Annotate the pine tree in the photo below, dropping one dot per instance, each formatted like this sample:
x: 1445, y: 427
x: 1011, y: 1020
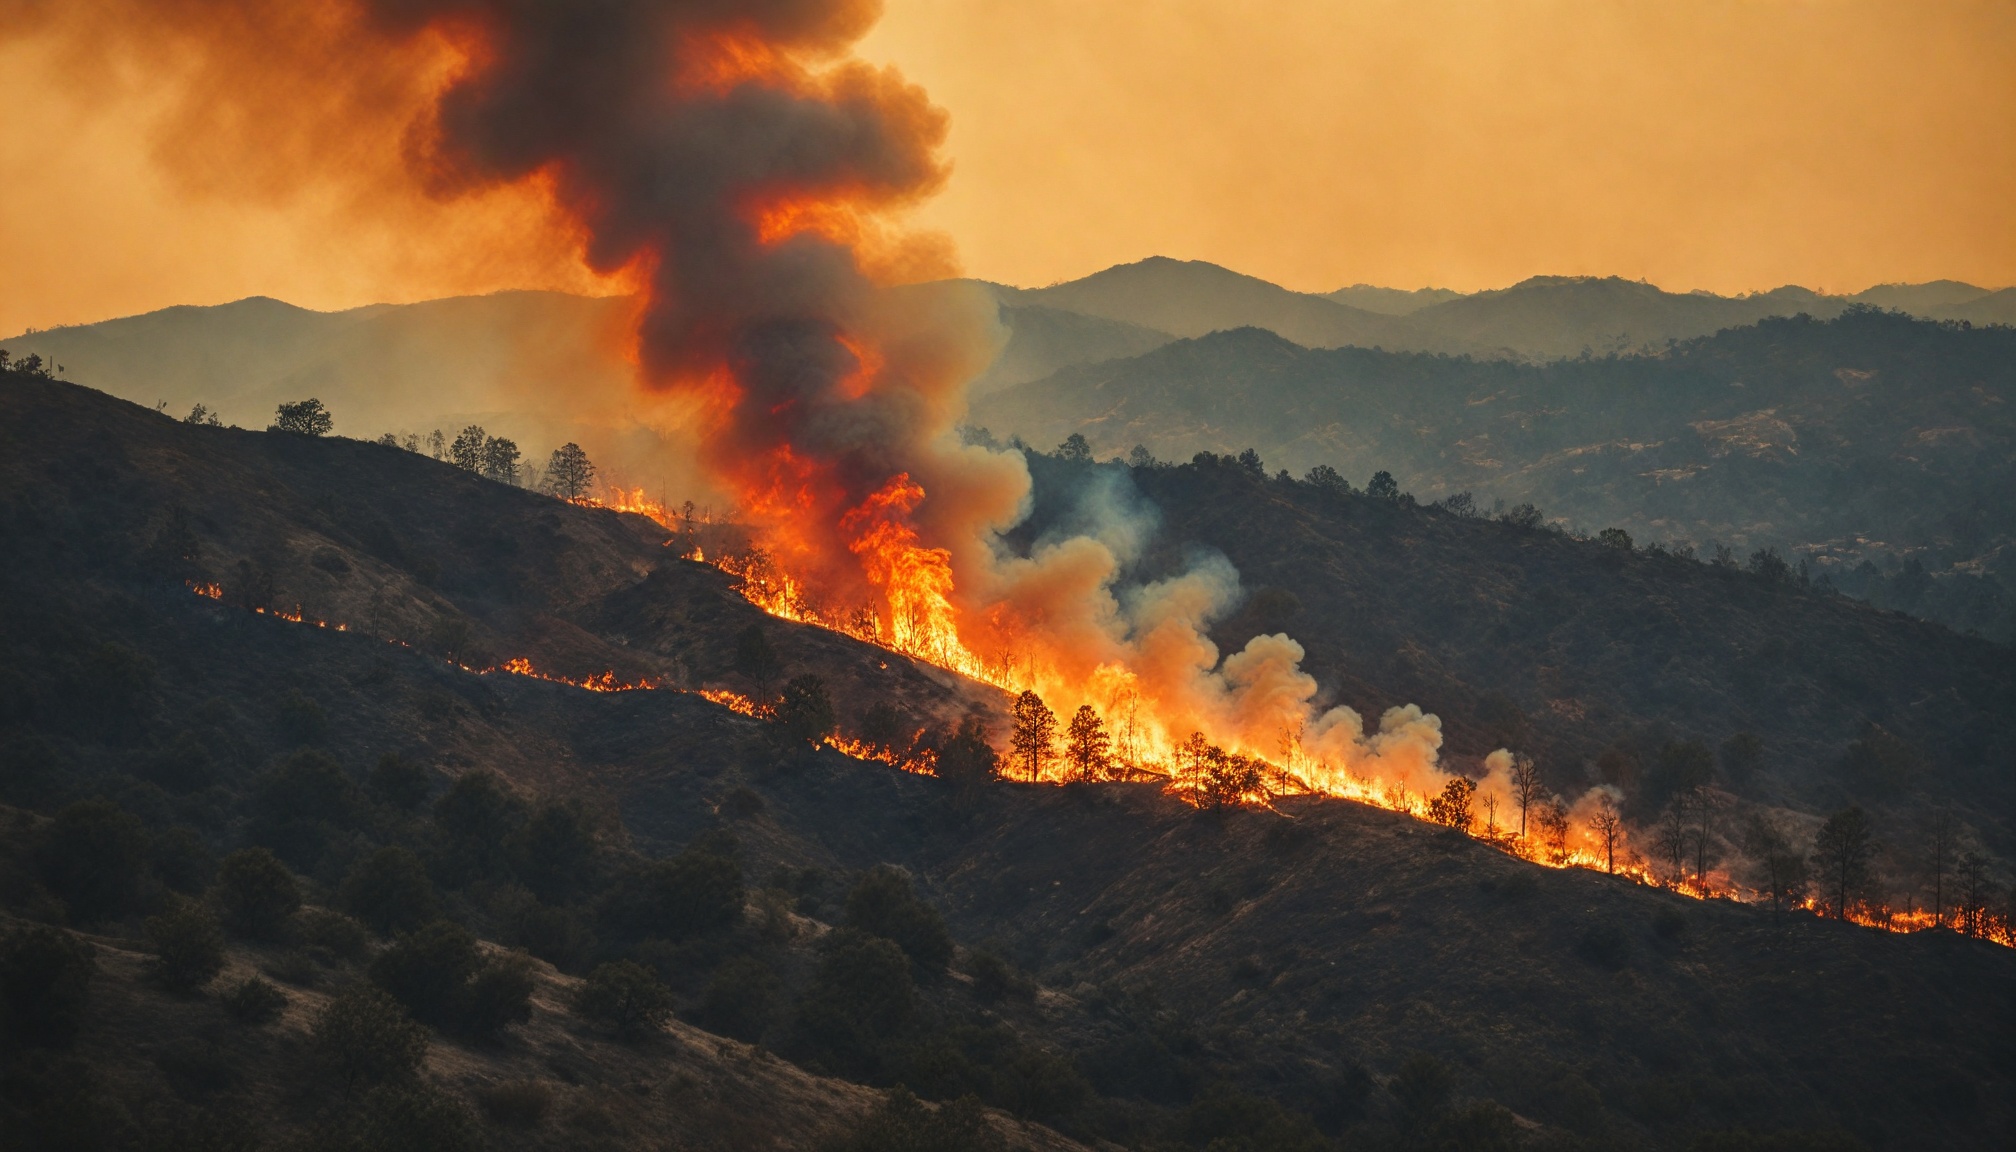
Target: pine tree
x: 1035, y: 734
x: 1086, y: 744
x: 569, y: 473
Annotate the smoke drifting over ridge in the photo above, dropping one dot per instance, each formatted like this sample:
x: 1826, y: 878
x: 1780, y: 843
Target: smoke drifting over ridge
x: 732, y: 163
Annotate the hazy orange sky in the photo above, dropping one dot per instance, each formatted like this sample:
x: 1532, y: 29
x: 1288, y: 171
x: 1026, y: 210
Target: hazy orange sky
x: 1722, y: 144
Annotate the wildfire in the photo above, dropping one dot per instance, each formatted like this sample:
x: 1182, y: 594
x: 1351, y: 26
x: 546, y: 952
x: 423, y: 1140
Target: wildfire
x: 620, y: 499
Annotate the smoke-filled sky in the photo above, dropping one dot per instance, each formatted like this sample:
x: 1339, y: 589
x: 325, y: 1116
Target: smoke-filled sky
x: 1720, y: 144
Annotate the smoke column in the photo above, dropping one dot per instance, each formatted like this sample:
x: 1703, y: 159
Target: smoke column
x: 730, y: 159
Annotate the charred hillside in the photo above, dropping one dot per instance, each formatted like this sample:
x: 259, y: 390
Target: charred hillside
x: 1102, y: 960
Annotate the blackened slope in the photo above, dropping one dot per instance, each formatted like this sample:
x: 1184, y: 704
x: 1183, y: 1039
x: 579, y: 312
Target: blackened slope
x: 1595, y: 646
x: 1295, y: 946
x: 392, y: 545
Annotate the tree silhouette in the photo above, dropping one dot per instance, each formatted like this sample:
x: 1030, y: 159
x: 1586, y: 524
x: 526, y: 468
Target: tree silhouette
x: 967, y: 759
x: 1228, y: 778
x: 1086, y: 744
x: 1525, y: 780
x: 1452, y: 808
x: 1614, y: 538
x: 466, y: 452
x: 1842, y: 852
x: 1327, y: 478
x: 1191, y: 758
x: 1382, y: 486
x: 569, y: 472
x: 1035, y: 734
x: 805, y: 712
x: 1939, y: 846
x: 1779, y: 865
x: 755, y: 659
x: 1554, y: 830
x: 500, y: 460
x: 302, y: 417
x: 882, y: 727
x: 1608, y: 825
x: 1075, y: 449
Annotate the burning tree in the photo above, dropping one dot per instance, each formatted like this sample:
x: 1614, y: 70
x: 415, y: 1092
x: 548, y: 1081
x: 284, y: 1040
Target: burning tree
x: 1841, y: 853
x: 1780, y: 866
x: 1452, y: 808
x: 1228, y: 778
x: 1975, y: 890
x: 1608, y: 826
x: 569, y: 472
x: 1554, y: 830
x: 1525, y: 780
x: 1035, y: 734
x: 1086, y: 744
x: 805, y: 712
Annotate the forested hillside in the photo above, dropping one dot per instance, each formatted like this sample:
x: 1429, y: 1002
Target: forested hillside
x: 367, y: 894
x: 1875, y: 448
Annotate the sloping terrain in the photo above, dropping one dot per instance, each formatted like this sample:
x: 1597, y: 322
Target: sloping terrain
x: 1869, y: 438
x: 1199, y: 973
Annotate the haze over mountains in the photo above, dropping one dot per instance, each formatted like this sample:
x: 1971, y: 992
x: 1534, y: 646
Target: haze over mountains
x: 1184, y: 356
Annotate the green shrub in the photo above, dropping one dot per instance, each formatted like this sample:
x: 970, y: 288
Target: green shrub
x: 302, y: 720
x: 333, y: 933
x: 558, y: 936
x: 993, y: 979
x: 1225, y: 1117
x: 691, y: 893
x: 1042, y: 1086
x: 475, y: 817
x: 516, y: 1103
x: 860, y: 994
x: 904, y: 1124
x: 426, y: 970
x: 1422, y: 1089
x: 188, y: 947
x: 60, y: 1105
x: 397, y: 784
x: 498, y: 996
x: 256, y: 892
x: 403, y: 1117
x: 740, y: 999
x: 554, y: 851
x: 390, y: 891
x: 366, y: 1039
x: 1739, y: 1140
x: 94, y: 856
x: 884, y: 904
x: 184, y: 766
x: 182, y: 860
x: 45, y: 980
x: 307, y: 787
x: 254, y: 1001
x: 626, y: 996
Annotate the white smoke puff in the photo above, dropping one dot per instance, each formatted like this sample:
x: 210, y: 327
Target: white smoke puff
x: 1405, y: 751
x: 1266, y: 690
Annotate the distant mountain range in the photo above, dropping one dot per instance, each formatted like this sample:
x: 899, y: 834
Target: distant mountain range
x: 1871, y: 439
x: 1183, y: 356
